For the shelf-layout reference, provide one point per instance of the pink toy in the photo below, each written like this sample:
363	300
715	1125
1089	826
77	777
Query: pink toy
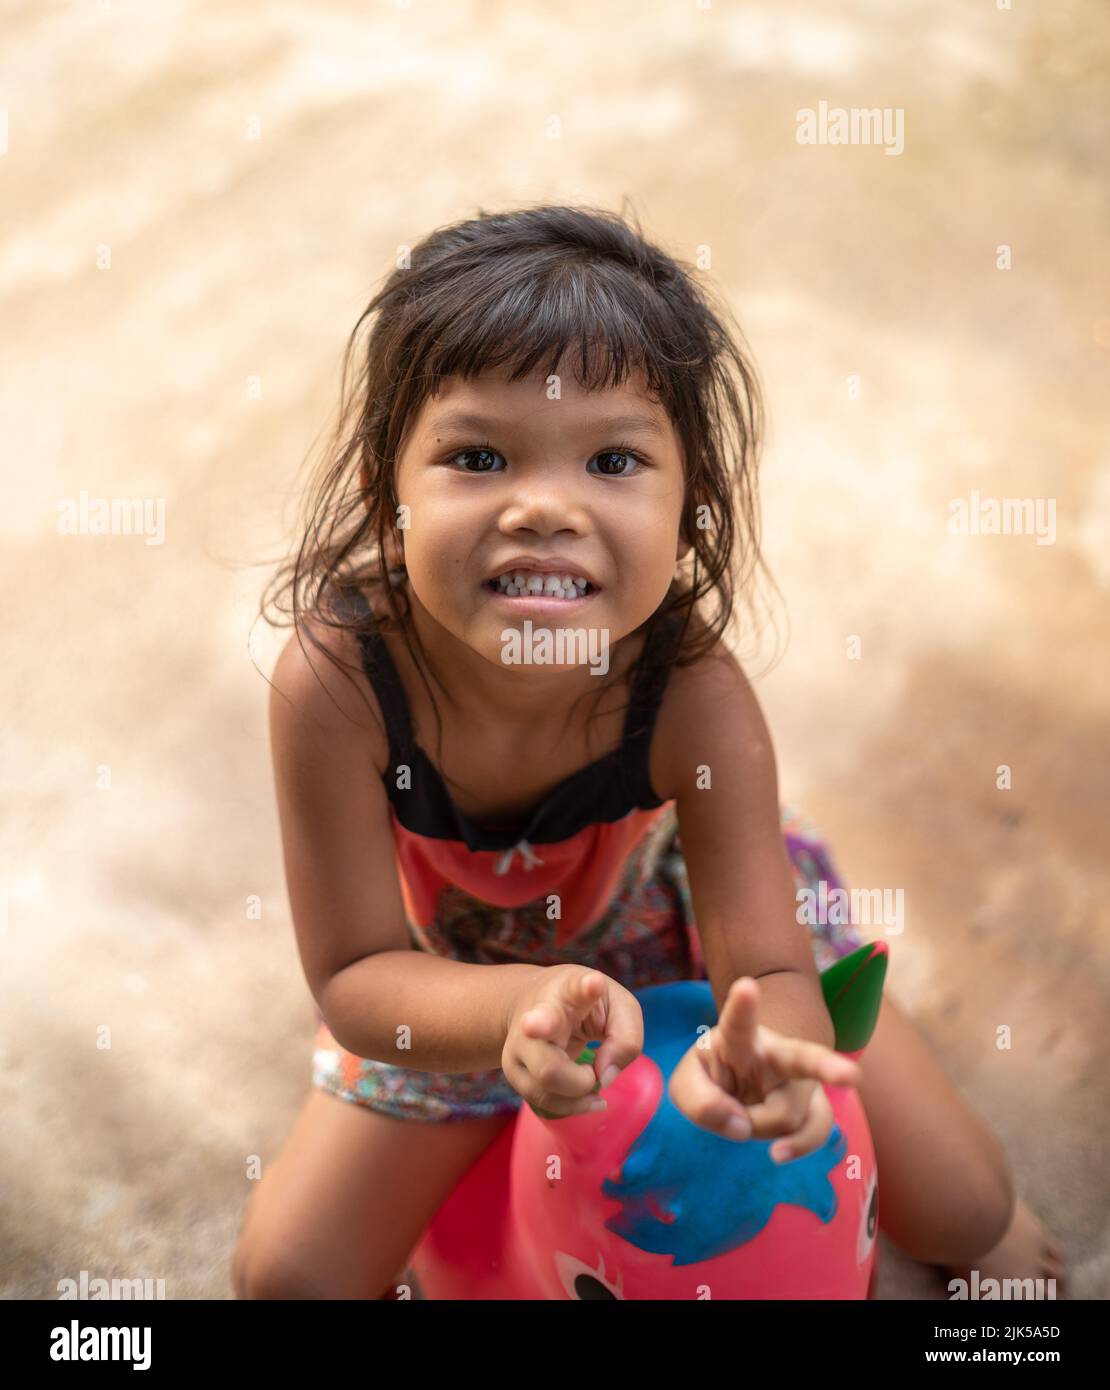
638	1202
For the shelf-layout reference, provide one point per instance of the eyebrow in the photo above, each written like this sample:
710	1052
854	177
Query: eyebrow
629	424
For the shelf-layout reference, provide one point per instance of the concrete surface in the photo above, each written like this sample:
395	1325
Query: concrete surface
154	260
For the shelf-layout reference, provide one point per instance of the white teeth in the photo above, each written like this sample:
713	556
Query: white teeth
548	585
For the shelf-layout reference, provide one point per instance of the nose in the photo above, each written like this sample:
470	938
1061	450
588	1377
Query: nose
546	505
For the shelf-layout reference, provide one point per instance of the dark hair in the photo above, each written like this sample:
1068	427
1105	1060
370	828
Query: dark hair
515	291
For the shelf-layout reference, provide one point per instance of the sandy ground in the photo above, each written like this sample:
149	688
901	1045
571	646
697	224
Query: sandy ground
155	260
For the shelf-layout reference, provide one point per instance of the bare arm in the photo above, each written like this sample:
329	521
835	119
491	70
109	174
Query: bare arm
741	882
380	997
418	1010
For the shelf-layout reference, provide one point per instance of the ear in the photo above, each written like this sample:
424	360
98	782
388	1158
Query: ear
684	548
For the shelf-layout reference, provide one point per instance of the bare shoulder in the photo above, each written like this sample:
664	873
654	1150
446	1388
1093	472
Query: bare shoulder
313	700
709	712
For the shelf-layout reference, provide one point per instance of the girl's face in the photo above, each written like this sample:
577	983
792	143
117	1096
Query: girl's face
493	470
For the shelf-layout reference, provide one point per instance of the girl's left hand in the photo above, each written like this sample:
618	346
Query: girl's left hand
742	1080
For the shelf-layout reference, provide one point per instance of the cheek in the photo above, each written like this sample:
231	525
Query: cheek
660	541
434	563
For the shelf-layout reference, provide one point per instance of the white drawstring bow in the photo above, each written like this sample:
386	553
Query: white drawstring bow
530	859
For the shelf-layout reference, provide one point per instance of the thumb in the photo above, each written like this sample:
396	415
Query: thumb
624	1036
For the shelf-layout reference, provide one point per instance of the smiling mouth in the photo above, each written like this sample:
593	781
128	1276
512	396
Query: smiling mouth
572	594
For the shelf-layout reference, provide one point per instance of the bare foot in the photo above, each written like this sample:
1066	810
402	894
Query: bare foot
1026	1251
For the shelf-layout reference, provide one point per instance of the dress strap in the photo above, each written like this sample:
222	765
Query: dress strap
643	707
383	676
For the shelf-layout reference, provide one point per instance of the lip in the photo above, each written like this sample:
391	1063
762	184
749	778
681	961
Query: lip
548	564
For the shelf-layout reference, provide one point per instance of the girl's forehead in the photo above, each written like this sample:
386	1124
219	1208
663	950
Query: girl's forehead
498	380
493	399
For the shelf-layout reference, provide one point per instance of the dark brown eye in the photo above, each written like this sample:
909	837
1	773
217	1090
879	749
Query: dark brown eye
611	460
483	454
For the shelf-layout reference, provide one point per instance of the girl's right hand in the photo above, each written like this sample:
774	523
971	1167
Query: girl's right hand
551	1021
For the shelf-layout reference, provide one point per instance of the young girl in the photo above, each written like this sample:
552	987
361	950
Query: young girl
553	431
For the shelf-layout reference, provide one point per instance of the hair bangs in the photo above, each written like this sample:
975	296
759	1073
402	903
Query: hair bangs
591	317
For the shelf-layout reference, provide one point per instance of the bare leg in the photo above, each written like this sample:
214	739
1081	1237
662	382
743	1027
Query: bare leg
344	1204
946	1195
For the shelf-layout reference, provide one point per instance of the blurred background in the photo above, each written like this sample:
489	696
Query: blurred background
199	199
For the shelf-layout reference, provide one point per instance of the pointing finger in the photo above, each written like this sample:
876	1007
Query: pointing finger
556	1018
737	1024
584	991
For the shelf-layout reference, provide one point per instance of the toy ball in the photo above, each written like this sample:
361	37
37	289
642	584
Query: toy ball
637	1201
